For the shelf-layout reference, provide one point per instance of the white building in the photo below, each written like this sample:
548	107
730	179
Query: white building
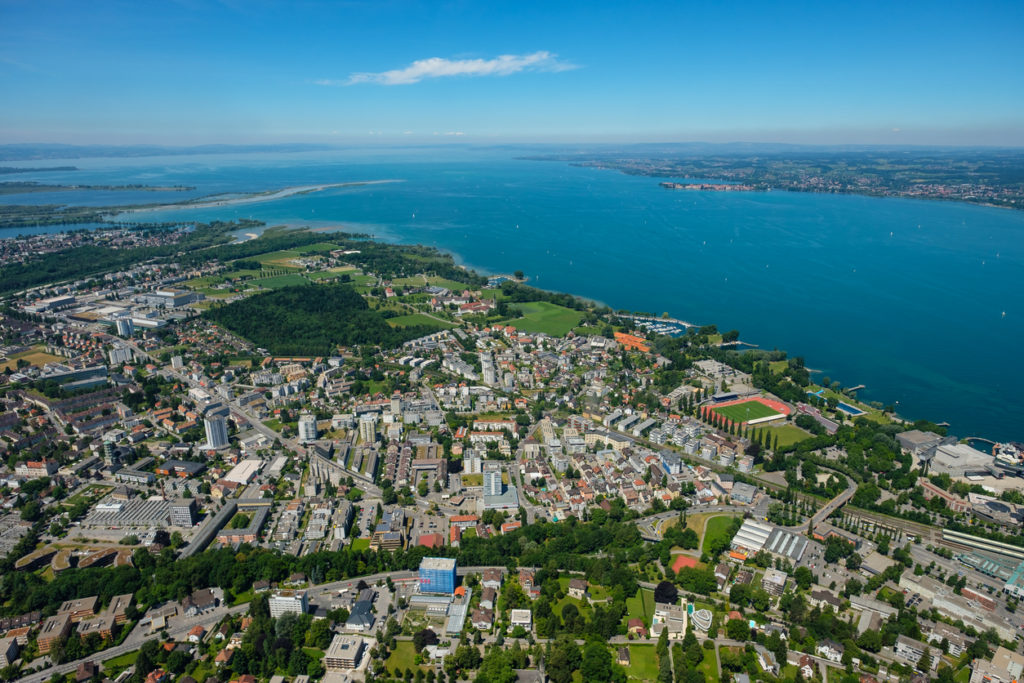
288	602
307	427
216	432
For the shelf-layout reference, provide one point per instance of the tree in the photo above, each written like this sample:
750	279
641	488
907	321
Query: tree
597	662
423	638
803	577
666	592
925	663
563	659
737	629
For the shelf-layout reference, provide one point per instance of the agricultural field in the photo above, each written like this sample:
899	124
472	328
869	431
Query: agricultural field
421	281
36	356
418	319
541	316
280	281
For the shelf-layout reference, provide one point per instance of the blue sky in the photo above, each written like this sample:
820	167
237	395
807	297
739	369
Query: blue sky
244	71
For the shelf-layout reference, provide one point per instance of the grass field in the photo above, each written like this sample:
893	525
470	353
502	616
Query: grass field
360	543
242	598
715	527
403	657
788	434
415	319
541	316
318	247
122	662
643	663
281	281
96	491
748	410
640	606
472	480
282	259
420	281
709	667
582	605
35	356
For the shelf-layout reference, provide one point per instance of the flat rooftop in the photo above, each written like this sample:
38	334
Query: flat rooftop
445	563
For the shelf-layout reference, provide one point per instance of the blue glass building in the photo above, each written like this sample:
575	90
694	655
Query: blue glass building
437	575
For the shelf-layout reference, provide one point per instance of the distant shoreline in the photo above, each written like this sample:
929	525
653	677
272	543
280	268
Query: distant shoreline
254	198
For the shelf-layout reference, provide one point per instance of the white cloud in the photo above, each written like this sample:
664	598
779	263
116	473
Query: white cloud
438	67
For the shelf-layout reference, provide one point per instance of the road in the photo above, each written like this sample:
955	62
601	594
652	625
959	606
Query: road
825	512
182	625
135	640
254	422
649	526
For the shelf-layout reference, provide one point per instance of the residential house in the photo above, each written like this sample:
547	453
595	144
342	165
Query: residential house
487	597
830	650
722	575
766	660
200	602
491	579
578	589
823	598
806	667
526	582
483	619
668	616
521	617
636	625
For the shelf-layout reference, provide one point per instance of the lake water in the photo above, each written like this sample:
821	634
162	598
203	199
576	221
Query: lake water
920	301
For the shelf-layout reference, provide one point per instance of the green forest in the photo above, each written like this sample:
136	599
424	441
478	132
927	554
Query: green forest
310	320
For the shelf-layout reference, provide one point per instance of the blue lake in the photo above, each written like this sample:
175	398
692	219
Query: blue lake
920	301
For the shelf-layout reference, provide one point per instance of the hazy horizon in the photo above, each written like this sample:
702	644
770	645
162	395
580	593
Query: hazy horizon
195	72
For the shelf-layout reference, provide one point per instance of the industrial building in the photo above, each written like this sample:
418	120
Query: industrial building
756	536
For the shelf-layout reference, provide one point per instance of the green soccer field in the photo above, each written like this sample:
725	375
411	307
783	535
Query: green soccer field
749	410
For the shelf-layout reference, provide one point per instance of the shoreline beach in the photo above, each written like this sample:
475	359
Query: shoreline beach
254	198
